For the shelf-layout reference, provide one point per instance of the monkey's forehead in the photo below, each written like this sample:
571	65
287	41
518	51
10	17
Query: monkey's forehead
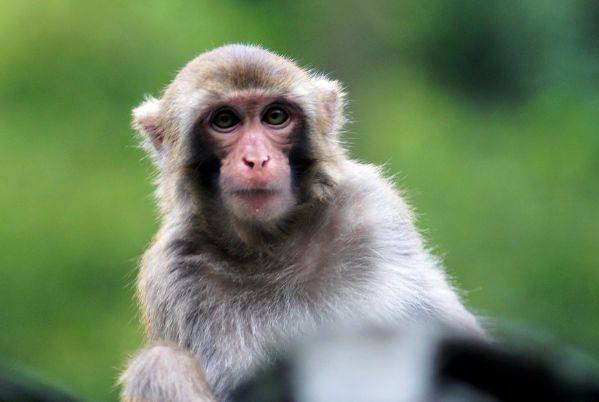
235	70
239	67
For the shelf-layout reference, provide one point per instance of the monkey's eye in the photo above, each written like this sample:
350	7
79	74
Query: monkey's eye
224	120
275	116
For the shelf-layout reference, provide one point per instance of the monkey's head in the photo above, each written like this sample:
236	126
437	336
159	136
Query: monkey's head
245	133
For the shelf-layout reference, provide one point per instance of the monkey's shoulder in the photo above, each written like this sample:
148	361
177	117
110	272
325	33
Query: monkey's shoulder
369	196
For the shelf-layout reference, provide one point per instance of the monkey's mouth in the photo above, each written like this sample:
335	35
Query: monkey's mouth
255	195
254	192
255	200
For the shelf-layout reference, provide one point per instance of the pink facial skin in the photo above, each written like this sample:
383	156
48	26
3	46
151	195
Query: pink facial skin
254	142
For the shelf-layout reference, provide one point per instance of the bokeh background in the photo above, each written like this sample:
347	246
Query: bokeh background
487	113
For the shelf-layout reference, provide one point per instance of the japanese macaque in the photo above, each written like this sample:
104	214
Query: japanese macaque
270	232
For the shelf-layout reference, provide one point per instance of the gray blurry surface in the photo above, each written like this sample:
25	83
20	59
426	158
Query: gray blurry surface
365	369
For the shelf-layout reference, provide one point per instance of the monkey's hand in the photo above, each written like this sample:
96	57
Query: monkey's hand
165	373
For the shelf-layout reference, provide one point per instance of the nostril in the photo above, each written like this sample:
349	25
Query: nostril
248	163
256	162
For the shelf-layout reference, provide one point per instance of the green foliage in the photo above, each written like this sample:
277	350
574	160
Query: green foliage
506	188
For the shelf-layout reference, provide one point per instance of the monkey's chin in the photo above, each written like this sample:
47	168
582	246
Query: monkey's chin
260	206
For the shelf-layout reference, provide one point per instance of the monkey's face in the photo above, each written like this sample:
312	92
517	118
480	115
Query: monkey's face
252	135
243	132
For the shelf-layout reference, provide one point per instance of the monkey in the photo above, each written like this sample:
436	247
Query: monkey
269	230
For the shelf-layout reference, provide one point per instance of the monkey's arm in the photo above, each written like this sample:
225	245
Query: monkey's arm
164	373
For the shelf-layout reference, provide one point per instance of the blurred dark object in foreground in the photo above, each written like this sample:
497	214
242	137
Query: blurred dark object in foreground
22	388
383	367
509	376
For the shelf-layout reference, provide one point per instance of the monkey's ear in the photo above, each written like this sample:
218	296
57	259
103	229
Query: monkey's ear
146	120
333	97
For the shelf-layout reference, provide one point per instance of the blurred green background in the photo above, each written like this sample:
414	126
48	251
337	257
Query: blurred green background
486	112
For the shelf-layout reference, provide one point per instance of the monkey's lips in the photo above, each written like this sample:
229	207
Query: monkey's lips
257	201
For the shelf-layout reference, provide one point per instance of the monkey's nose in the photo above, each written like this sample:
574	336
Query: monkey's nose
256	162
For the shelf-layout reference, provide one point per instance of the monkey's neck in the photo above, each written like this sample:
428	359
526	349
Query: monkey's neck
246	241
